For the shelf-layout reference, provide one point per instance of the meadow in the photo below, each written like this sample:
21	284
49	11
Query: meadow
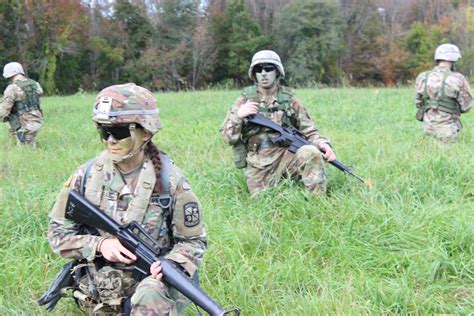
404	246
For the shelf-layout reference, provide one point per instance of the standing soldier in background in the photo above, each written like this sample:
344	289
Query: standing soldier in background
267	162
442	95
20	105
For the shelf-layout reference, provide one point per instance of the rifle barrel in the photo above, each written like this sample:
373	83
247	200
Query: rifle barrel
299	140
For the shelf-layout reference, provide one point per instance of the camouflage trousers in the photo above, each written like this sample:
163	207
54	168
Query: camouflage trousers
268	167
443	126
153	297
104	292
30	124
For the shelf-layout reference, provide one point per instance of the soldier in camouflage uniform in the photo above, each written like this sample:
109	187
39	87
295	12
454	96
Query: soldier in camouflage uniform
266	163
442	95
126	182
20	105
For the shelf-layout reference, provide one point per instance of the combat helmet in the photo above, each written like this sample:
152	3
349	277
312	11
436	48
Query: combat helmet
447	52
266	57
12	69
127	104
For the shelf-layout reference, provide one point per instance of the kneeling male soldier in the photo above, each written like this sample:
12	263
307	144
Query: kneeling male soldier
20	105
442	95
266	162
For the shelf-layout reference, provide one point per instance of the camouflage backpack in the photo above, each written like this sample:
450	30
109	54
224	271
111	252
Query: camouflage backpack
31	101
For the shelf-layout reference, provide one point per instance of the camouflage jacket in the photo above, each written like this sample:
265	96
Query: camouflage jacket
186	237
12	94
456	88
234	129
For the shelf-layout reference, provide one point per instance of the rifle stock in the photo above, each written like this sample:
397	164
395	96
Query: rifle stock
138	241
295	139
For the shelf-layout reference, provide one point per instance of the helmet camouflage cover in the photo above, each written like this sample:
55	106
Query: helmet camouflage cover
12	69
447	52
126	104
266	57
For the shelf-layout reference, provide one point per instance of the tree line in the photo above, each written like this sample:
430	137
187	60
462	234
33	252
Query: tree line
73	45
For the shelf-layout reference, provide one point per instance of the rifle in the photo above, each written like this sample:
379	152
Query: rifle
135	238
295	139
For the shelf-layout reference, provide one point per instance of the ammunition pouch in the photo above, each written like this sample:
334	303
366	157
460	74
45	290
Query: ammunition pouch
14	121
270	144
240	155
104	290
67	279
420	113
445	104
67	283
262	141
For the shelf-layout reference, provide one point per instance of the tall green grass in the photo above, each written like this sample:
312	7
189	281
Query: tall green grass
403	247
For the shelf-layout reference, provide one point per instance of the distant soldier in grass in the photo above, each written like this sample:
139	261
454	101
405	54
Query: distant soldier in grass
130	180
20	105
267	163
442	95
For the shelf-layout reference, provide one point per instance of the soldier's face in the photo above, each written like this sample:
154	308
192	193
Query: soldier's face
266	75
119	148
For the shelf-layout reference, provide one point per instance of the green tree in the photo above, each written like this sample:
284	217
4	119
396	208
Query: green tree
421	43
464	28
173	42
12	34
308	36
57	34
363	26
237	37
136	31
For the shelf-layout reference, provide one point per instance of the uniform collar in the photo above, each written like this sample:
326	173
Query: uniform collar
441	69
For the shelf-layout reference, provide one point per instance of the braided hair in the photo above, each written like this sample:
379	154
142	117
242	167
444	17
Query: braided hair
152	151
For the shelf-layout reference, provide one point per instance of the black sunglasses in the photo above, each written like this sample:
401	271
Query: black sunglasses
267	68
116	131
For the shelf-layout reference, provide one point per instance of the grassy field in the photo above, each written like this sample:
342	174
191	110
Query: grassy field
406	246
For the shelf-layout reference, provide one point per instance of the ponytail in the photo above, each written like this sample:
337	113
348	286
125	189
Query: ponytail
152	151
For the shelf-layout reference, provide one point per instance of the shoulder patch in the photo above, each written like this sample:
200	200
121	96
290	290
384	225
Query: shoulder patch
192	216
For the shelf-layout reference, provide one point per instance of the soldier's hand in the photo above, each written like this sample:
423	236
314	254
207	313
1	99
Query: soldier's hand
155	270
114	251
248	108
329	155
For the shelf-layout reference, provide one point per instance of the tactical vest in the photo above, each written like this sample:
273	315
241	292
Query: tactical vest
284	96
117	285
443	103
31	101
98	186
